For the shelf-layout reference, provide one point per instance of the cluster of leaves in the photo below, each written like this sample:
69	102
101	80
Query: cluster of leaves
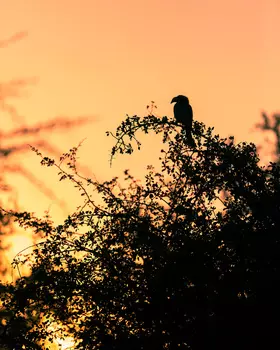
167	264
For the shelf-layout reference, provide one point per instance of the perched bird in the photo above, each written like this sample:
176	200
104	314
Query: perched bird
183	114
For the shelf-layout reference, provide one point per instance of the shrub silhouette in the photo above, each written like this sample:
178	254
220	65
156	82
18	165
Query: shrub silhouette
167	264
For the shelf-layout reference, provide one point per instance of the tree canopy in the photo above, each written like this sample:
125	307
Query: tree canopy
189	259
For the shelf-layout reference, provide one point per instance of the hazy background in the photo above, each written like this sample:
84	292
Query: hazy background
108	58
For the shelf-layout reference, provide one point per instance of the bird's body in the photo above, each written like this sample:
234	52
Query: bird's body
183	113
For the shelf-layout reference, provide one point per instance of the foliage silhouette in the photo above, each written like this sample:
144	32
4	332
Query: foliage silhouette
14	142
272	123
168	264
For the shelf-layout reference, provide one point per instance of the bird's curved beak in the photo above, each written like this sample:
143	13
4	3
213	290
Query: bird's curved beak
173	100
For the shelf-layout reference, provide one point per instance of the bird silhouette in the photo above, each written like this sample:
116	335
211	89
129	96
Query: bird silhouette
183	113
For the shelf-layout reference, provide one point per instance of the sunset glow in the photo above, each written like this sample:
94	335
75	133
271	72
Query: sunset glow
105	59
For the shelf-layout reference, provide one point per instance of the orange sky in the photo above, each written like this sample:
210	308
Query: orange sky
108	58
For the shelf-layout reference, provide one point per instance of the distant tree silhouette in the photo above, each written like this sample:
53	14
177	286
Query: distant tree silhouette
10	143
272	123
167	264
15	141
13	39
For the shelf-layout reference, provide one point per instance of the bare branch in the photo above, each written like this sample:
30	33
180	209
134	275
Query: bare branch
13	39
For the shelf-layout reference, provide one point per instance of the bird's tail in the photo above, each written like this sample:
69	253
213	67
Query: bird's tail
189	139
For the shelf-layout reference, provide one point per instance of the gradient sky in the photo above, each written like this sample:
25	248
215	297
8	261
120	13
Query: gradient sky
108	58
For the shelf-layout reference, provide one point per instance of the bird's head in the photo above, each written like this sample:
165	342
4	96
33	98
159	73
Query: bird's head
180	98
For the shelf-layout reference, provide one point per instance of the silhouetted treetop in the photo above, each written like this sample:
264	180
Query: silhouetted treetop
165	264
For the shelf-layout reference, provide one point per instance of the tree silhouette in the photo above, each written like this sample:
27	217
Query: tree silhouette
167	264
272	123
15	141
13	39
10	141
